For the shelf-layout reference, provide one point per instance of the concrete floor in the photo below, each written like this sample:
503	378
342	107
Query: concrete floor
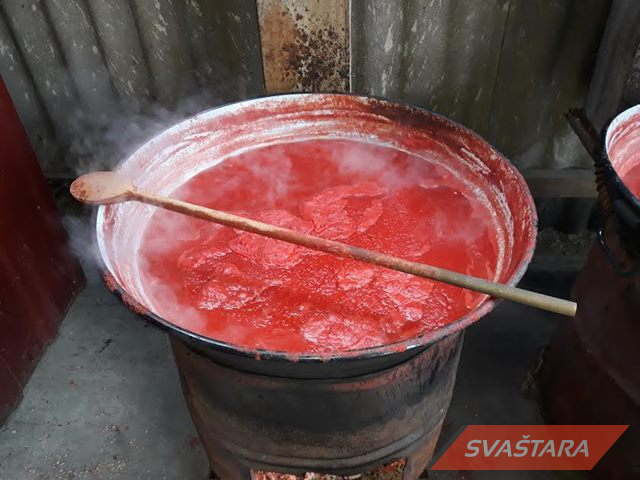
105	403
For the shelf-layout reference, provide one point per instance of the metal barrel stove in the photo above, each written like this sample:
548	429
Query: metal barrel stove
377	410
347	425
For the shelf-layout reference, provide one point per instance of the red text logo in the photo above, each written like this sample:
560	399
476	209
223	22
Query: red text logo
529	447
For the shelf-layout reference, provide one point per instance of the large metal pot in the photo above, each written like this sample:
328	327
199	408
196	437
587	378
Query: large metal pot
590	370
619	156
298	400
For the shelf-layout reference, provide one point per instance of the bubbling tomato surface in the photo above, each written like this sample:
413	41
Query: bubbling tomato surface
260	293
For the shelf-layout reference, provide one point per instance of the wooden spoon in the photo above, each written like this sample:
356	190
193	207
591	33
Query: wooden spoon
102	188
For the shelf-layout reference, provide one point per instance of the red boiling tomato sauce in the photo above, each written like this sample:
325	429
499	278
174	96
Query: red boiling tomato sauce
260	293
632	180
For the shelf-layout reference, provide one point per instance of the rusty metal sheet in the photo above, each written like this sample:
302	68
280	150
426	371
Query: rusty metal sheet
305	45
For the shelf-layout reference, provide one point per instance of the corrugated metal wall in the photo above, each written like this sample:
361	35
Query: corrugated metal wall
91	76
509	69
615	83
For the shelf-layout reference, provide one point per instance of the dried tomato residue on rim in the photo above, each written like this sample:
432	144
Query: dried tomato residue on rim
260	293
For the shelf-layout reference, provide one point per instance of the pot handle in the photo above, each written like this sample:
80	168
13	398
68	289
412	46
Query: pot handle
611	258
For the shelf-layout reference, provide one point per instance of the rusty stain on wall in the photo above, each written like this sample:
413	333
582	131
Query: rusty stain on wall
305	45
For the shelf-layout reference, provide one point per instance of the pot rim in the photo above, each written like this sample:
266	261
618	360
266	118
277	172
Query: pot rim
357	354
609	129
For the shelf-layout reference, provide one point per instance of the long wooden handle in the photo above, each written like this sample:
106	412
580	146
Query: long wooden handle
533	299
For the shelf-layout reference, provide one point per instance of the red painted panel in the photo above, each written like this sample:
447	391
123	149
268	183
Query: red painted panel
38	275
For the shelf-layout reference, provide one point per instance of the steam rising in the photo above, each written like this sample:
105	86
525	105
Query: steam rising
103	140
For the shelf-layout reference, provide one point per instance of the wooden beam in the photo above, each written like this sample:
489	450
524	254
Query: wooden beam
305	45
561	183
